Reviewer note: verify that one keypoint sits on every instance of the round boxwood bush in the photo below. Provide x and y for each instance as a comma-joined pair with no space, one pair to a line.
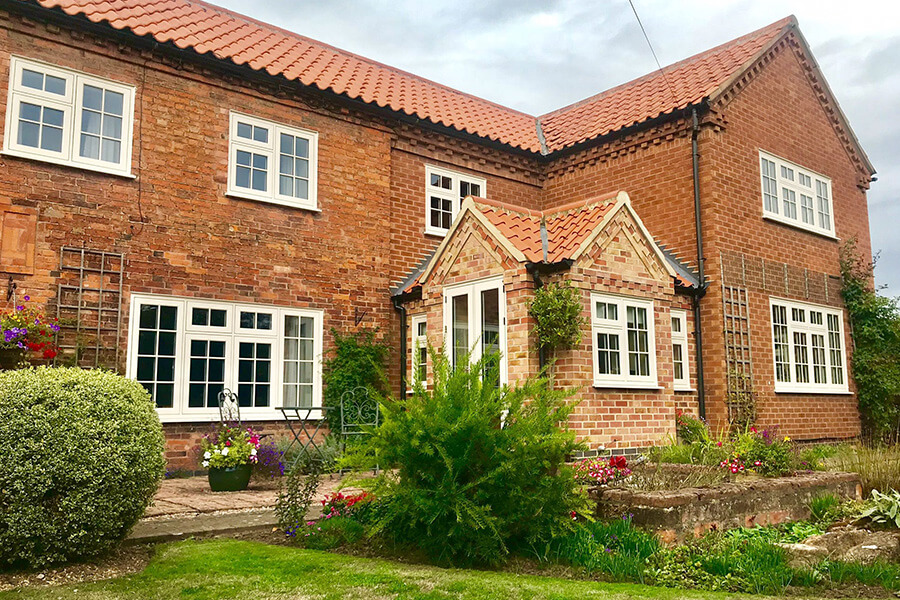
81,456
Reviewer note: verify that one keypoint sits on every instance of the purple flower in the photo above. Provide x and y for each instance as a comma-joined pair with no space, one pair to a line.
27,298
54,327
20,307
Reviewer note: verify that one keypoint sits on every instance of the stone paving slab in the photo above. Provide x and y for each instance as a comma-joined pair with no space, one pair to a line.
187,507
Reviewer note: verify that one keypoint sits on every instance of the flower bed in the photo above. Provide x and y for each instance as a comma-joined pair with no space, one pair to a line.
677,514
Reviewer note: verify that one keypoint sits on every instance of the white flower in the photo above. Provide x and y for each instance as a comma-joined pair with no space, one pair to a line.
206,462
253,452
207,455
225,451
218,451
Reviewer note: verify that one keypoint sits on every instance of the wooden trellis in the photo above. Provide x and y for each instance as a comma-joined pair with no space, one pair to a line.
89,306
739,366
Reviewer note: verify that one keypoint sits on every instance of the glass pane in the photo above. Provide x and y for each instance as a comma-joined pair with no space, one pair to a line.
217,317
290,349
263,321
146,368
262,395
166,344
112,127
244,131
261,134
291,372
301,188
306,327
196,395
290,395
260,161
287,144
30,112
217,349
198,348
89,146
198,369
167,317
245,395
259,180
90,122
301,168
460,317
29,134
32,79
243,158
245,350
291,326
109,150
216,369
147,342
165,369
51,139
165,393
262,371
242,177
301,147
305,350
113,103
92,98
248,320
306,372
148,316
306,395
286,165
200,316
245,370
285,185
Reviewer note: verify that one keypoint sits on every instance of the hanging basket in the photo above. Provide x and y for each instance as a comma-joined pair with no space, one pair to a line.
231,479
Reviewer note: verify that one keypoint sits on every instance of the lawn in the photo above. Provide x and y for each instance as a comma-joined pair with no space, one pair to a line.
222,569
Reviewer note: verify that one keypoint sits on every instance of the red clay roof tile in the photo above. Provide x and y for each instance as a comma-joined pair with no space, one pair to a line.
231,36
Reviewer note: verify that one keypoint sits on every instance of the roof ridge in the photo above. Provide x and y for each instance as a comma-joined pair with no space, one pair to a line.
315,42
780,24
580,204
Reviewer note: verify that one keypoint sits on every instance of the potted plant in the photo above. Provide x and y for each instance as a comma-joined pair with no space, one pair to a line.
229,453
27,336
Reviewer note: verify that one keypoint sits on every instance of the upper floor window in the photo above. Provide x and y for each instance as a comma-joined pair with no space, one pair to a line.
444,191
624,344
272,162
681,377
796,196
186,351
68,117
808,348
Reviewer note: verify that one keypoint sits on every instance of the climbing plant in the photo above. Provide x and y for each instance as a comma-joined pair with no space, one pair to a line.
875,325
558,314
356,360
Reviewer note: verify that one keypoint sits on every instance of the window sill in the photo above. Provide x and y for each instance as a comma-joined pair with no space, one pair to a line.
270,200
66,163
812,391
626,385
683,389
800,226
213,417
436,232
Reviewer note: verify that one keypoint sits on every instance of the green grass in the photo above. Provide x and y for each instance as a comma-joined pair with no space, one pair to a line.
222,569
878,467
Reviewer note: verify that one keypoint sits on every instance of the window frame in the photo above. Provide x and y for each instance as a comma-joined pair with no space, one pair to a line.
809,329
452,194
417,342
473,289
619,327
796,189
271,150
680,339
180,412
71,104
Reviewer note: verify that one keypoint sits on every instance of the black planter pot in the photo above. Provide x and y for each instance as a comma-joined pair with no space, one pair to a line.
11,358
231,479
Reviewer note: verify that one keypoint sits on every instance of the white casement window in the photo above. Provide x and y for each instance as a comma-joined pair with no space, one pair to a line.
444,192
475,322
795,195
272,162
186,351
67,117
418,372
623,338
808,345
680,363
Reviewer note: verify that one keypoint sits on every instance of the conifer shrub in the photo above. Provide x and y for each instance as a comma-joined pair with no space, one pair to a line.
473,470
82,457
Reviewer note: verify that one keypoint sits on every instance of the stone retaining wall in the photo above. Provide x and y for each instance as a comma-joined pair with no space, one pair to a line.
677,514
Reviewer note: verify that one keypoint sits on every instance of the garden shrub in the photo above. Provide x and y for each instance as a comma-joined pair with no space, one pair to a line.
765,452
82,457
356,360
474,471
323,458
690,429
295,496
327,534
558,316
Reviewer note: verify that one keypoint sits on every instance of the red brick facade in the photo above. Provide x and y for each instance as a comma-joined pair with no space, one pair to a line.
183,236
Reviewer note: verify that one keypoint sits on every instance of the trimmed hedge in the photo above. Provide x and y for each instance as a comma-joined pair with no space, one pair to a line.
82,457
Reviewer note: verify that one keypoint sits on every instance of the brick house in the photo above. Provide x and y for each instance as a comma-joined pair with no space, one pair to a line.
204,197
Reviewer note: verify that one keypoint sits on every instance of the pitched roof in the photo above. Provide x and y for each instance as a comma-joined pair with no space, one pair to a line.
568,230
204,28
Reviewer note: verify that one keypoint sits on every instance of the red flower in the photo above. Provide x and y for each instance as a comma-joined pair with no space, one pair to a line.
618,462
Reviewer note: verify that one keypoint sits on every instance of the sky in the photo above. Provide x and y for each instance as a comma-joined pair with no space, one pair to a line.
540,55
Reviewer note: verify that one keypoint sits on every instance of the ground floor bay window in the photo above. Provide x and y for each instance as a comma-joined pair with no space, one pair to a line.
475,322
808,344
186,351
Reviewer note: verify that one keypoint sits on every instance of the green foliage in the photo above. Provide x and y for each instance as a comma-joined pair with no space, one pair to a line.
882,574
878,466
824,507
814,457
883,509
327,534
690,429
464,487
787,533
228,447
766,452
559,316
324,458
763,452
295,496
875,323
616,549
82,457
719,562
356,360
